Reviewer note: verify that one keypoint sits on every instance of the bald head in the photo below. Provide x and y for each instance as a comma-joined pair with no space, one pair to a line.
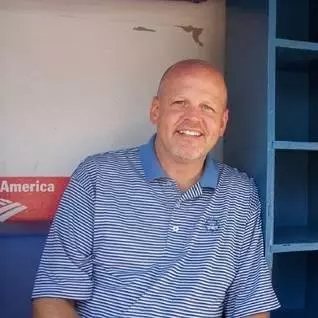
193,67
190,111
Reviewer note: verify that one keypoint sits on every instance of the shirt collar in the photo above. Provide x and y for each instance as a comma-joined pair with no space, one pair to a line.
153,170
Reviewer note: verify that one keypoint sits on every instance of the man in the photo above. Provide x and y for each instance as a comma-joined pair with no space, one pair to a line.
160,230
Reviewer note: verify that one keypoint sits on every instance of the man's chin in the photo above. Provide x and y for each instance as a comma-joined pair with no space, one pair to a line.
188,156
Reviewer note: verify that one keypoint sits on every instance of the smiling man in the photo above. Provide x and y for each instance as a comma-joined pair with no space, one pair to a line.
190,114
160,230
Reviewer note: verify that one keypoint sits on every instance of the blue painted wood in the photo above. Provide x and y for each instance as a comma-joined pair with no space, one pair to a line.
278,113
246,81
296,313
290,279
24,228
291,189
313,23
313,163
296,45
295,238
312,288
313,190
294,145
297,234
296,59
313,99
292,19
271,110
297,272
297,20
19,261
292,102
294,247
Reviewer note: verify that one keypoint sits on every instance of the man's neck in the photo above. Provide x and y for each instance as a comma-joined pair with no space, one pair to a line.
184,173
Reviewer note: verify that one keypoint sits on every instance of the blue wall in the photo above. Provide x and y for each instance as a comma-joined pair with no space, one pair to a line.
19,259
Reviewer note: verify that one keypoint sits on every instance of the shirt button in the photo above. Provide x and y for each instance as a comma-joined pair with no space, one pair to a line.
175,228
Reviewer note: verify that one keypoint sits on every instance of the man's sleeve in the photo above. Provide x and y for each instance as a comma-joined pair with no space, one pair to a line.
251,291
65,269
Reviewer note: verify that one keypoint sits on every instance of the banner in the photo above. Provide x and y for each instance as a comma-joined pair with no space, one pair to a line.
30,198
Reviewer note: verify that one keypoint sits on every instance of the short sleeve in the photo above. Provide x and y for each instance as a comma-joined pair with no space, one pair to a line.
251,291
65,269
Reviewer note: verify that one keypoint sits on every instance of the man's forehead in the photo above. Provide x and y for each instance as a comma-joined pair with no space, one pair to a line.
188,69
186,78
191,77
195,70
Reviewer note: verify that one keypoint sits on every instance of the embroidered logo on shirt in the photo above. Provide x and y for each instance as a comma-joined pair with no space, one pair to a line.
212,224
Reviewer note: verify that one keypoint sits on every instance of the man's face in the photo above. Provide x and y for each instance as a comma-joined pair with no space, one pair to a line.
190,113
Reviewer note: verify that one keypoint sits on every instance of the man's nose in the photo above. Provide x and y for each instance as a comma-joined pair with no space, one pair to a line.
192,112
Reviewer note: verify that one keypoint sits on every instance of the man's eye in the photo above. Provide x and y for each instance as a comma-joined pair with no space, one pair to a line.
207,107
179,102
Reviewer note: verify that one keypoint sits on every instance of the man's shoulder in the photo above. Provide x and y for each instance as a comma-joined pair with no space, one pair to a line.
236,177
241,192
113,157
114,164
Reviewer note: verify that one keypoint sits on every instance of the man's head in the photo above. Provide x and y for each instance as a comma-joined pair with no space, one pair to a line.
190,110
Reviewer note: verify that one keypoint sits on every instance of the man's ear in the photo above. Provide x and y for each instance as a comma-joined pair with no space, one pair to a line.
154,110
225,119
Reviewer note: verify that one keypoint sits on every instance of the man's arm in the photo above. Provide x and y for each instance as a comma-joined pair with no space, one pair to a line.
66,267
251,290
54,308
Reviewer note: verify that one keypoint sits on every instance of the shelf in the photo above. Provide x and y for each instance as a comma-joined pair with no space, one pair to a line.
295,200
296,107
297,20
296,55
293,239
294,145
297,45
279,38
295,279
24,228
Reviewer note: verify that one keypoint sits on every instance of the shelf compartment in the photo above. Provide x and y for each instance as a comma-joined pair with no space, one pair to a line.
295,279
296,106
296,56
297,20
295,201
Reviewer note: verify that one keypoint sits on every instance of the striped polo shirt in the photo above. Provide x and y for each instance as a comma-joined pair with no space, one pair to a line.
127,242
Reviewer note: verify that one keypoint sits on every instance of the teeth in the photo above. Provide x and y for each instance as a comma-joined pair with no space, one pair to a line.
190,133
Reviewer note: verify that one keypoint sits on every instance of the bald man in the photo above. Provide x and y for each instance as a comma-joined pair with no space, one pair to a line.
160,230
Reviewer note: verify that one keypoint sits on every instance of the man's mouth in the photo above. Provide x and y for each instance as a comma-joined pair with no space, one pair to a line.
188,132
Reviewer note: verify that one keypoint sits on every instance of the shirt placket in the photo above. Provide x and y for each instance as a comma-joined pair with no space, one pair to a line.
182,221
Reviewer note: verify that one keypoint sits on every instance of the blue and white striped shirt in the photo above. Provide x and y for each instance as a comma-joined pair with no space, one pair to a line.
126,242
